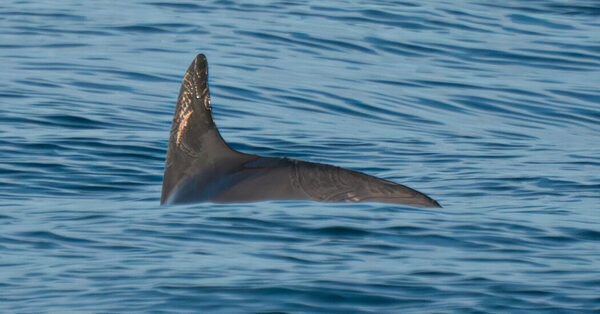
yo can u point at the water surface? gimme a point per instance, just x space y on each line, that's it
491 109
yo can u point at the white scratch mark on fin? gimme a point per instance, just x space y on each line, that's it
182 126
352 197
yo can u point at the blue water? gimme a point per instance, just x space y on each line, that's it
492 108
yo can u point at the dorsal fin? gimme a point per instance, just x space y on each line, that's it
195 140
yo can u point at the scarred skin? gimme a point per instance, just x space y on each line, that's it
201 167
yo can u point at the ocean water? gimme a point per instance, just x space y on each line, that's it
491 108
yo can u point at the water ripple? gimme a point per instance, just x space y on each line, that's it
492 108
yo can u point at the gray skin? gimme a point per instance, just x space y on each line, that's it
201 167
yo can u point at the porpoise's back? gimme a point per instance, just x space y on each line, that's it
200 166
